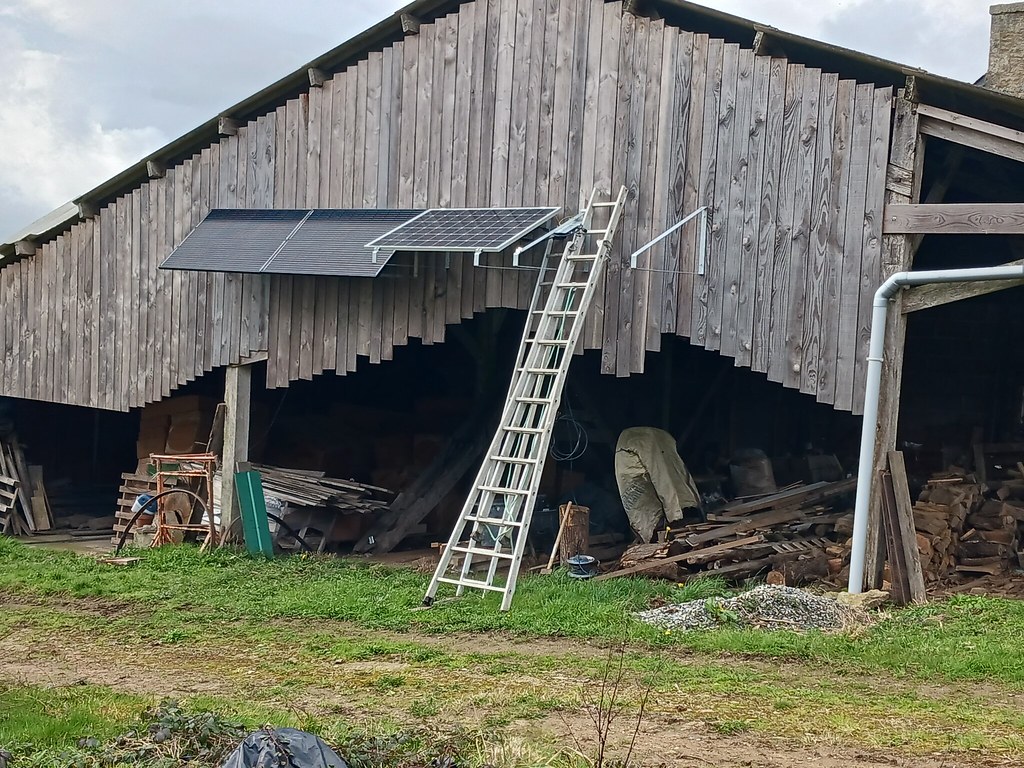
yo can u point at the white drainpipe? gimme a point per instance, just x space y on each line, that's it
876 349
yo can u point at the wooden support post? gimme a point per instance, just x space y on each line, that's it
227 126
237 392
317 77
24 248
155 169
907 153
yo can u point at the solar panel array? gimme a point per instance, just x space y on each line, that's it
327 242
464 229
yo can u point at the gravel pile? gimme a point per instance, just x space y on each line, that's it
764 607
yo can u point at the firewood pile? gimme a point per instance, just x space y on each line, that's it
794 536
965 527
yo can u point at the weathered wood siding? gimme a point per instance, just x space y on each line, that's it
507 102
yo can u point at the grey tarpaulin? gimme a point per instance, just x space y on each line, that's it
653 481
283 748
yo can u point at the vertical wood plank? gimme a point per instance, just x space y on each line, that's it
388 127
749 285
668 177
839 187
199 178
706 185
613 270
806 186
692 199
87 290
767 217
782 255
407 156
359 147
739 180
817 276
424 109
851 289
372 129
720 219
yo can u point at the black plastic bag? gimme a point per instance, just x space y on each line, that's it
283 748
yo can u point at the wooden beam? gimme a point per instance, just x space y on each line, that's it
940 186
971 132
24 248
155 169
905 521
631 7
928 296
317 77
695 554
954 219
237 393
766 44
906 151
410 24
227 126
87 209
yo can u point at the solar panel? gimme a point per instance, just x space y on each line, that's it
464 229
290 242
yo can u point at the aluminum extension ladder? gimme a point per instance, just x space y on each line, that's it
495 519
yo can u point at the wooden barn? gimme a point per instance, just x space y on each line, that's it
824 171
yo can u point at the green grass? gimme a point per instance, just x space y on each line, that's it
964 638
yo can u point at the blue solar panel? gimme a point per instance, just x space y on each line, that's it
464 229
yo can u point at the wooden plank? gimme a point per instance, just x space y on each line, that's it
340 140
424 106
344 319
954 218
905 520
390 109
591 89
87 316
327 295
475 26
807 184
757 164
694 137
928 296
851 289
703 552
871 238
165 284
326 165
305 289
739 178
358 149
200 207
959 129
819 278
706 185
372 131
668 175
645 330
604 152
583 33
839 187
633 167
613 270
520 107
187 351
440 29
264 198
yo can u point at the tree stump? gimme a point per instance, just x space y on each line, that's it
576 533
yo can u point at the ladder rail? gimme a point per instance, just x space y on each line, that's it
513 464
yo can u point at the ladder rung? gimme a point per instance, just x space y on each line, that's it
559 312
584 257
494 521
609 204
551 342
514 460
525 430
535 400
572 285
500 489
472 583
541 371
484 552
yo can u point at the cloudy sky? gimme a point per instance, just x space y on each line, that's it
87 87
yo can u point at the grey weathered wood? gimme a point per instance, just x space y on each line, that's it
237 406
929 296
850 291
820 277
707 157
971 132
954 218
806 184
896 257
905 519
740 177
227 126
835 220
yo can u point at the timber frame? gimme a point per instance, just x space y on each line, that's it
906 221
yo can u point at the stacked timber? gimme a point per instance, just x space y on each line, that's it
312 488
967 527
24 505
794 536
